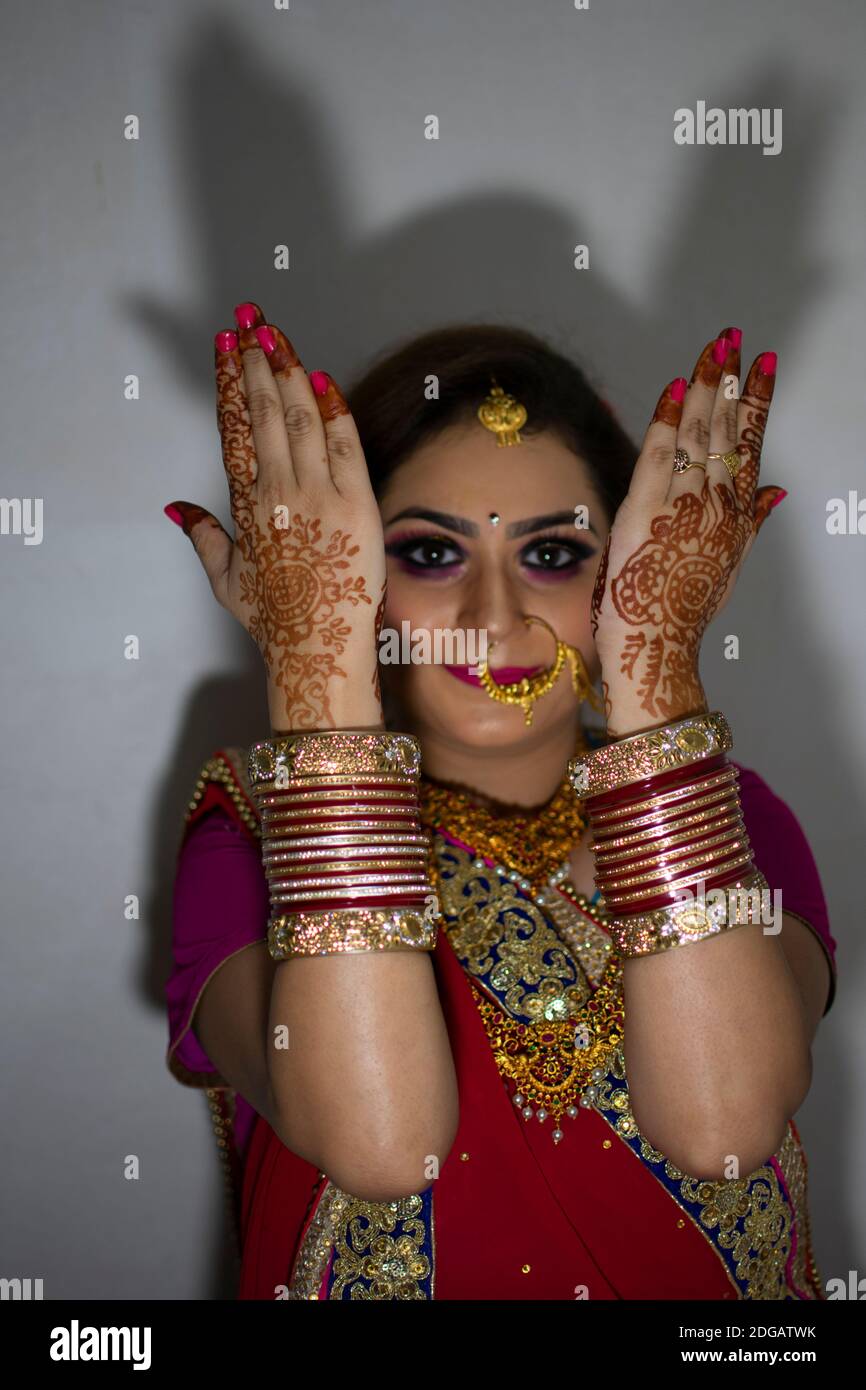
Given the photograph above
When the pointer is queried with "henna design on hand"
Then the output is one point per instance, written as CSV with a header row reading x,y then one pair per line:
x,y
299,590
669,589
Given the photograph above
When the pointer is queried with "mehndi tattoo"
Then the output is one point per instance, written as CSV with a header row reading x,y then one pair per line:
x,y
669,589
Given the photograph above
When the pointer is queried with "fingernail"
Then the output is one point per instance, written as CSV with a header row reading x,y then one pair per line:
x,y
266,338
245,315
767,364
783,494
734,336
319,382
226,342
721,350
678,390
173,514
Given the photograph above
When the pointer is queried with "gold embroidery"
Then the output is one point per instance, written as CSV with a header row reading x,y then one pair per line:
x,y
792,1161
316,1246
366,1248
746,1221
377,1242
505,939
223,771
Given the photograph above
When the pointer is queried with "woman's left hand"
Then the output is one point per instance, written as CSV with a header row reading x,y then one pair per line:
x,y
678,540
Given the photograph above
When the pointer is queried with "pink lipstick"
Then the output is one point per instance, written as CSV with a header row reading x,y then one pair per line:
x,y
503,675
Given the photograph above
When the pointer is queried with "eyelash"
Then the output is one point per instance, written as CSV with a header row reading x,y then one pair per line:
x,y
403,546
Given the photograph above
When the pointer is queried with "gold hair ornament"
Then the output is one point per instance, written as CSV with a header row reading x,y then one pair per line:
x,y
531,688
503,415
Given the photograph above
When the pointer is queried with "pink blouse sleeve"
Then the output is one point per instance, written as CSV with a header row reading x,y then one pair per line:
x,y
782,853
220,907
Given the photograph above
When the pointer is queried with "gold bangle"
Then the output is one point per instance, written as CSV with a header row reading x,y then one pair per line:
x,y
348,895
333,753
335,865
351,930
645,755
391,837
689,828
655,872
660,887
659,854
649,933
649,815
708,784
272,802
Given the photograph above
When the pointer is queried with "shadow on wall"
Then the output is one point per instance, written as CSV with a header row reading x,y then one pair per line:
x,y
733,250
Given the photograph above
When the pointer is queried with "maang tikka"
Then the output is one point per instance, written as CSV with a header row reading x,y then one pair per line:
x,y
502,415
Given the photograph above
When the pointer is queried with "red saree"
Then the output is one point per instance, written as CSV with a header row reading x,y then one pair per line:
x,y
511,1215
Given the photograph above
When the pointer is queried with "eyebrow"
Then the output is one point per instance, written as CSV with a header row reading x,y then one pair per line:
x,y
470,528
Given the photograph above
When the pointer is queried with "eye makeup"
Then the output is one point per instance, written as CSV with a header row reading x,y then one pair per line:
x,y
428,554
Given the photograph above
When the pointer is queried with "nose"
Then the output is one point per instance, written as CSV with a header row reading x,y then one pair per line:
x,y
492,603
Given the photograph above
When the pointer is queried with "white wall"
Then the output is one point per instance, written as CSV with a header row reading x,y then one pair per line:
x,y
306,126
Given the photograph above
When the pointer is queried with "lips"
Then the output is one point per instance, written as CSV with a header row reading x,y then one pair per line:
x,y
503,675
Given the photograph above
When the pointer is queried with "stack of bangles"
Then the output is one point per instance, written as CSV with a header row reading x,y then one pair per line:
x,y
673,862
346,857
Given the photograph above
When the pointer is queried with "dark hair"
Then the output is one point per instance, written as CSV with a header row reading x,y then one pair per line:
x,y
394,417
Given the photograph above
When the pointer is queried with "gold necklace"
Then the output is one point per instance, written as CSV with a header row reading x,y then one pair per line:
x,y
530,843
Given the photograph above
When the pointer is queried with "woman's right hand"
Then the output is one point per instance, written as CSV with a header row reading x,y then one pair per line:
x,y
305,573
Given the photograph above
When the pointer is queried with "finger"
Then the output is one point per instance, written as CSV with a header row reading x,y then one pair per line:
x,y
693,434
652,472
304,425
274,472
212,543
236,433
345,454
766,498
723,420
752,422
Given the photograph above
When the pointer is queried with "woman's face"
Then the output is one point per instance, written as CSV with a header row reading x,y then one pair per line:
x,y
451,567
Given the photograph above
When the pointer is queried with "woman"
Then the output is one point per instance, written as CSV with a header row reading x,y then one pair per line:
x,y
417,1059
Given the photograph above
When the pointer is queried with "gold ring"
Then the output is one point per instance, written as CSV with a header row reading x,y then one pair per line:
x,y
682,462
731,460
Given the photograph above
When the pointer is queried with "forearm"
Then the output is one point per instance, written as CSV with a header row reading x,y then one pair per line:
x,y
366,1087
360,1069
716,1051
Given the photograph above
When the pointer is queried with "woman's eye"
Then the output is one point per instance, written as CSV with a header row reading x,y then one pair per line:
x,y
554,555
427,552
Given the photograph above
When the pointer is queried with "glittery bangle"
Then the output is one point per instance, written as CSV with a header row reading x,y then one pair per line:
x,y
665,835
347,931
334,753
702,792
648,754
691,920
343,848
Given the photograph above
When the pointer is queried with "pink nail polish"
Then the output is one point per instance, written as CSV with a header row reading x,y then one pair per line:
x,y
678,390
226,342
735,336
720,351
266,338
173,514
319,382
767,364
782,495
245,315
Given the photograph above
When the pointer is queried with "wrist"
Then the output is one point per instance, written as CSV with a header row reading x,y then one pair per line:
x,y
330,710
626,716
